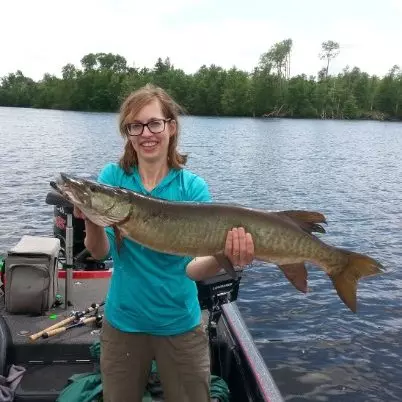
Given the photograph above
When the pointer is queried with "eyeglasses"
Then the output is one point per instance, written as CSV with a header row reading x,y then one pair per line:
x,y
155,127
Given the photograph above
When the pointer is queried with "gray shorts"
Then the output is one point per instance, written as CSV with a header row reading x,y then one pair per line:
x,y
183,364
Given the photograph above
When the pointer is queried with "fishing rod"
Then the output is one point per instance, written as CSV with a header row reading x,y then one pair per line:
x,y
97,319
75,315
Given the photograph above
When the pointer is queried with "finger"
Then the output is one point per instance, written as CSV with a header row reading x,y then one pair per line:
x,y
242,247
229,244
236,247
249,248
76,212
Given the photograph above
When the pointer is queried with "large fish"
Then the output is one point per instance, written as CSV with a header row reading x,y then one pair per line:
x,y
282,238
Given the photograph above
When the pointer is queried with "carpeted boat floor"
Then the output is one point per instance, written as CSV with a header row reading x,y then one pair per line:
x,y
85,292
50,362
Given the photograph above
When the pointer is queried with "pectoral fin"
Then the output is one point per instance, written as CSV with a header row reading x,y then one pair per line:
x,y
119,238
225,263
296,274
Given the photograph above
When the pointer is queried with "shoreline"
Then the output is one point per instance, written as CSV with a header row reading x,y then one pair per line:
x,y
380,118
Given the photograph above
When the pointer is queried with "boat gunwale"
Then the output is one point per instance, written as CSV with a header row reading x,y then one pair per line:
x,y
264,380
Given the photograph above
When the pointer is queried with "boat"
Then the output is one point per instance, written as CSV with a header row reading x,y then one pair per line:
x,y
50,362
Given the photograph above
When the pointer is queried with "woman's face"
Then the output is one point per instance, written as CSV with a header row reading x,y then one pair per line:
x,y
151,142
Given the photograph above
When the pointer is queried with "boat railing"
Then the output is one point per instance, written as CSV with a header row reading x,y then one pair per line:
x,y
265,382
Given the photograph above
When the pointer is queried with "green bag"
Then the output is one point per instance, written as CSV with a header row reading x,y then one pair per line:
x,y
87,387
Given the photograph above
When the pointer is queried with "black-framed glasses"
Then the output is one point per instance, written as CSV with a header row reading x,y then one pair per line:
x,y
154,126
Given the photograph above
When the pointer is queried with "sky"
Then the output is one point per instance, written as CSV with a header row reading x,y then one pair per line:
x,y
42,36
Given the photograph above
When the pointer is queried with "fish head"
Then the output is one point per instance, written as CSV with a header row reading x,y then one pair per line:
x,y
102,204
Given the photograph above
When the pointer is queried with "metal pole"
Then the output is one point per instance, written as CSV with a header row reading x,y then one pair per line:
x,y
69,262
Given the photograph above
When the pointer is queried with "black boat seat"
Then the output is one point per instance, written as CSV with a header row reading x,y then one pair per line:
x,y
53,198
5,342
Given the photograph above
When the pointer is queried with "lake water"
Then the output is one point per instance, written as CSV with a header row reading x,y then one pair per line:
x,y
315,347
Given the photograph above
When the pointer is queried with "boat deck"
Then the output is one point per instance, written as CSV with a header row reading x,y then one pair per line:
x,y
85,292
60,356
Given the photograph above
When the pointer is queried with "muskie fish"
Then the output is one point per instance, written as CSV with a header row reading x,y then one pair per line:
x,y
282,238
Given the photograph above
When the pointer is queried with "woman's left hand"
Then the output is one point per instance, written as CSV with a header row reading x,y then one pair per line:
x,y
239,247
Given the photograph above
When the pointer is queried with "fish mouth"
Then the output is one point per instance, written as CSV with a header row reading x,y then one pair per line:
x,y
56,187
97,201
72,189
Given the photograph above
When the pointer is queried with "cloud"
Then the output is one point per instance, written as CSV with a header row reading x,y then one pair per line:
x,y
366,46
397,5
43,36
231,42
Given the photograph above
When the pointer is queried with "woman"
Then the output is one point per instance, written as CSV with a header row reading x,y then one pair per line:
x,y
152,308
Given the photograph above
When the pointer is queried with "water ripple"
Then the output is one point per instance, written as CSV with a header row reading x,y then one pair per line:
x,y
350,171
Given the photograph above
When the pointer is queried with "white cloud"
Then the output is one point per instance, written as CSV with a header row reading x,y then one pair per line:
x,y
397,5
42,36
231,42
365,45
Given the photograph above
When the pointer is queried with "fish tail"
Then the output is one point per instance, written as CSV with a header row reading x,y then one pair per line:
x,y
345,280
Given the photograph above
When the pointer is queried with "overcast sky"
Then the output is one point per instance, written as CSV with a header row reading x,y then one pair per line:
x,y
39,36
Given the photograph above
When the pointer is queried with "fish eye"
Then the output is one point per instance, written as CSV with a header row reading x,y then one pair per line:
x,y
92,187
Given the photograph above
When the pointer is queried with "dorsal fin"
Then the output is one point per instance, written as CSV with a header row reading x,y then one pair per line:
x,y
309,221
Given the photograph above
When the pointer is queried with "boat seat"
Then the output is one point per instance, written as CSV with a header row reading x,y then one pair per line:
x,y
5,342
53,198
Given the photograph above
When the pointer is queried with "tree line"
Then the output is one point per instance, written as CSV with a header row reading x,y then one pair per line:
x,y
104,79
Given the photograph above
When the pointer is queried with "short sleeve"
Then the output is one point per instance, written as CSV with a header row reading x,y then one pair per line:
x,y
108,175
198,190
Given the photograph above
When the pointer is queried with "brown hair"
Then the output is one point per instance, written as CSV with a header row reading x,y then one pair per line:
x,y
131,107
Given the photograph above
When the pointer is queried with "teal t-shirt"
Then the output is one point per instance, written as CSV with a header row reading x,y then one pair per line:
x,y
150,291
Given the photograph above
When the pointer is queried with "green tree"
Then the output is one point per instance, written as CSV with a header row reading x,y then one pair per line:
x,y
208,83
350,109
103,80
236,93
299,97
389,98
329,50
17,90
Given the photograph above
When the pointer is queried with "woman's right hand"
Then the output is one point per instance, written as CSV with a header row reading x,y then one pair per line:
x,y
79,214
96,241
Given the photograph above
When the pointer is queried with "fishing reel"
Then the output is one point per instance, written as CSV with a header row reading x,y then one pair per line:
x,y
98,320
75,320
